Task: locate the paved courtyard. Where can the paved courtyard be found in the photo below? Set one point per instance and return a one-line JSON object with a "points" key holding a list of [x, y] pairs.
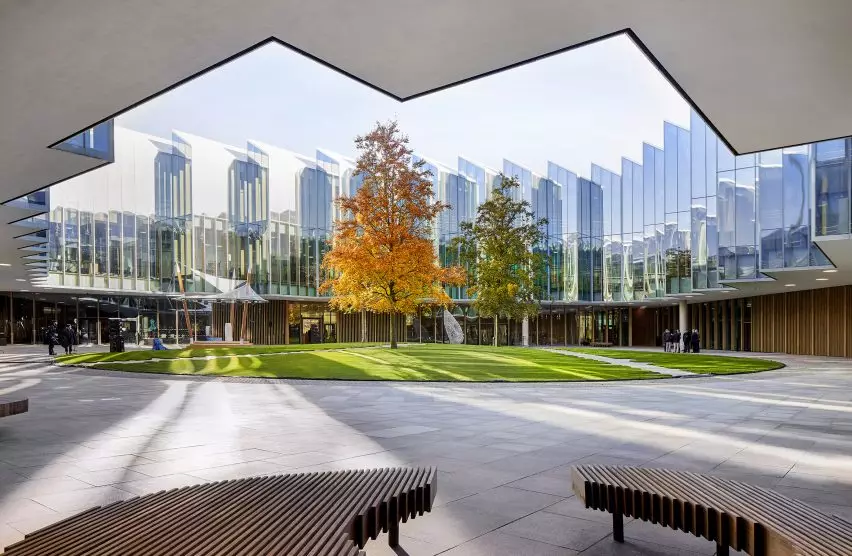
{"points": [[504, 451]]}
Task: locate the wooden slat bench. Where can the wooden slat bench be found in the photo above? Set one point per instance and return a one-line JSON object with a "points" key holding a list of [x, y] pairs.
{"points": [[735, 515], [218, 343], [328, 513], [8, 408]]}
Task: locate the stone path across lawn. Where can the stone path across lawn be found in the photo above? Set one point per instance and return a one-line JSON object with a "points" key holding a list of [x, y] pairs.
{"points": [[628, 363]]}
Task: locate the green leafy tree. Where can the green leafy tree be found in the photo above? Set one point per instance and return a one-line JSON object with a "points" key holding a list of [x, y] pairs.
{"points": [[498, 249]]}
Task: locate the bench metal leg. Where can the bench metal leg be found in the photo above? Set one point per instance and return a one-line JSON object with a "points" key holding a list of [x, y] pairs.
{"points": [[617, 527], [722, 549], [393, 533]]}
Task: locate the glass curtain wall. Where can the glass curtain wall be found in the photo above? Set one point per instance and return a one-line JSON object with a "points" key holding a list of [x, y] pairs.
{"points": [[689, 217], [764, 205], [677, 206], [460, 193], [248, 215], [590, 251], [704, 229], [633, 194], [96, 142], [653, 280], [610, 188], [566, 238], [546, 198], [832, 186], [100, 234]]}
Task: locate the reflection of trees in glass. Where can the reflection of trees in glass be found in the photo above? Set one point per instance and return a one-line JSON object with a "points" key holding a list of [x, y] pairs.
{"points": [[678, 266]]}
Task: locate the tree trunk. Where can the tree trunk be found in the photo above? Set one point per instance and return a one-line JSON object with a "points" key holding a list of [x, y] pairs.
{"points": [[496, 342], [393, 330]]}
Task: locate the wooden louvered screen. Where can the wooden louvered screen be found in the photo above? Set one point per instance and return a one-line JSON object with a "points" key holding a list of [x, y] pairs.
{"points": [[266, 322], [810, 322], [329, 513], [752, 519], [8, 408]]}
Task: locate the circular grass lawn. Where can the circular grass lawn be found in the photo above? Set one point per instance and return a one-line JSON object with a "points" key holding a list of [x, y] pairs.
{"points": [[417, 362]]}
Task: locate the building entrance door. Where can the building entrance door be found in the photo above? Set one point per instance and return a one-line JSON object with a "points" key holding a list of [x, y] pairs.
{"points": [[311, 330], [329, 334]]}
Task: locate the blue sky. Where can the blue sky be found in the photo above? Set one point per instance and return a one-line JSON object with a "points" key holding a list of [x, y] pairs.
{"points": [[593, 104]]}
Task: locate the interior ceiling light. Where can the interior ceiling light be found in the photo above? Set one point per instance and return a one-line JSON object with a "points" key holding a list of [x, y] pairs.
{"points": [[821, 279], [789, 285], [829, 271], [5, 264], [20, 280]]}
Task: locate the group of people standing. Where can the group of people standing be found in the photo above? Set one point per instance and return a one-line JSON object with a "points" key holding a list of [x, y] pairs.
{"points": [[66, 337], [676, 342]]}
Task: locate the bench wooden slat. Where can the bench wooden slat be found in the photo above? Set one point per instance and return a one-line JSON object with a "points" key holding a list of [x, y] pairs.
{"points": [[308, 514], [732, 496], [737, 497], [755, 520]]}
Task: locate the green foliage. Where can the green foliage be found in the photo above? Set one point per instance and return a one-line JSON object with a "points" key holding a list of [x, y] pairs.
{"points": [[505, 272]]}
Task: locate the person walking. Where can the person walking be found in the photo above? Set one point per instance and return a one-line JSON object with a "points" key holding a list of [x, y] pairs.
{"points": [[696, 346], [676, 341], [687, 340], [72, 338], [51, 338], [666, 340], [65, 338]]}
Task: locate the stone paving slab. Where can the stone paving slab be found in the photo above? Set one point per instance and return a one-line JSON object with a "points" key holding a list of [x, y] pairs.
{"points": [[504, 451]]}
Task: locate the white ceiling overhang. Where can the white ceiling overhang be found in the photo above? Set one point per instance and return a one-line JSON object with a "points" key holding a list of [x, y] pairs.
{"points": [[764, 73]]}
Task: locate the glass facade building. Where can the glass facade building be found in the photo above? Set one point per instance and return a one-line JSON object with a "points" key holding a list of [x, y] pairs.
{"points": [[96, 142], [689, 217]]}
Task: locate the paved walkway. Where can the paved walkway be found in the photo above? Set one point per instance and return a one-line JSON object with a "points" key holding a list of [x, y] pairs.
{"points": [[504, 450], [627, 363]]}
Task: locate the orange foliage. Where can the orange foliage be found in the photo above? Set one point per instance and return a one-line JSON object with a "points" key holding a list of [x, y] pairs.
{"points": [[383, 257]]}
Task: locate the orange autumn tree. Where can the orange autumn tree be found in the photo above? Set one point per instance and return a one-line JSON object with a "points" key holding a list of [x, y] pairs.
{"points": [[382, 257]]}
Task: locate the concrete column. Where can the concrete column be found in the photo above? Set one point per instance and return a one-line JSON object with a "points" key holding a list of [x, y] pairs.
{"points": [[98, 317], [525, 332], [630, 326], [550, 321], [34, 321], [11, 320], [683, 313]]}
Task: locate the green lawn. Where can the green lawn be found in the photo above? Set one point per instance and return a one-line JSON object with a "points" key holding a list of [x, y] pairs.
{"points": [[693, 362], [416, 363], [145, 355]]}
